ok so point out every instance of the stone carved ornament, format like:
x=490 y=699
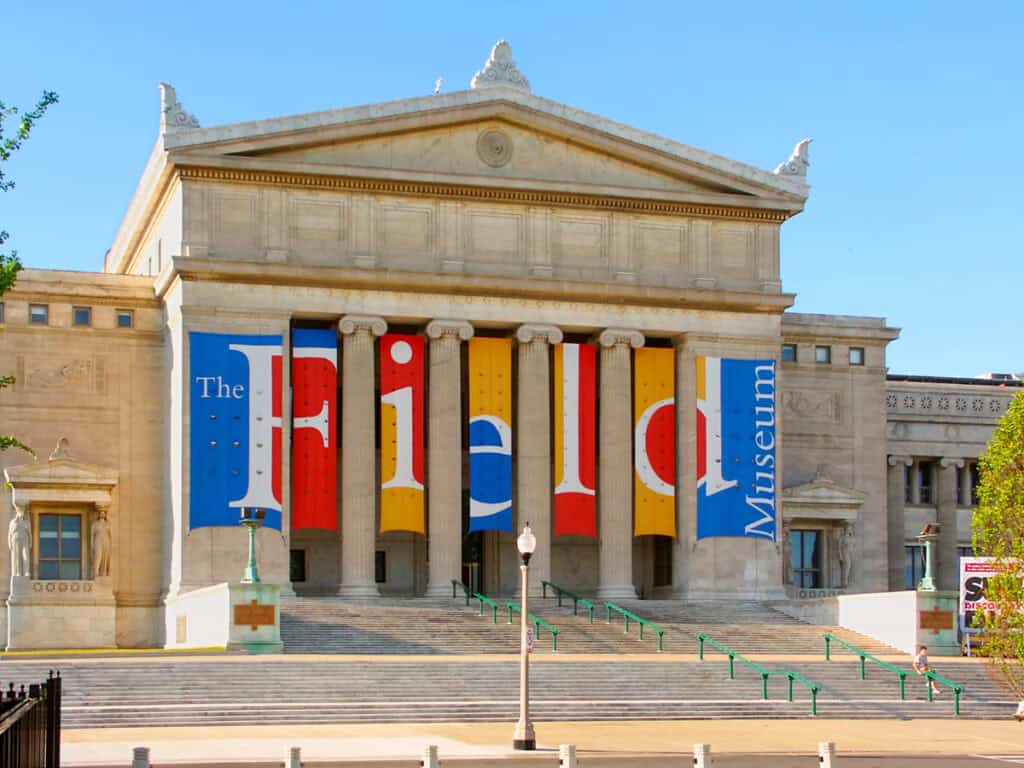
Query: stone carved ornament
x=500 y=70
x=844 y=553
x=19 y=539
x=101 y=540
x=173 y=115
x=798 y=162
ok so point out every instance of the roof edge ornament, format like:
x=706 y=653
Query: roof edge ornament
x=500 y=70
x=174 y=116
x=798 y=163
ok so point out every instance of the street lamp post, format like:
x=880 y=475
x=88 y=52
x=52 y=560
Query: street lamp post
x=252 y=518
x=523 y=737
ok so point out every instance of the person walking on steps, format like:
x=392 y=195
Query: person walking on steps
x=921 y=666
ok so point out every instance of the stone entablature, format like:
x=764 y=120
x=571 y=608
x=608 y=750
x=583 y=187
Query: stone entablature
x=913 y=401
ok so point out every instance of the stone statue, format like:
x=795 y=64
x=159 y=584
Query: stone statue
x=19 y=539
x=844 y=543
x=798 y=162
x=101 y=544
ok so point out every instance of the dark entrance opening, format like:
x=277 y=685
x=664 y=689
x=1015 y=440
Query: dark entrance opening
x=472 y=551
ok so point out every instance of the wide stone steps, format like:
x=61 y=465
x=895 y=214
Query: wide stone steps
x=411 y=626
x=282 y=690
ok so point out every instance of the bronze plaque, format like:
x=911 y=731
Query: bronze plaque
x=936 y=620
x=254 y=615
x=181 y=629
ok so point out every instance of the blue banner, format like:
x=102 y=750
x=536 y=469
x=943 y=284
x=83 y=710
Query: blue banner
x=235 y=428
x=736 y=448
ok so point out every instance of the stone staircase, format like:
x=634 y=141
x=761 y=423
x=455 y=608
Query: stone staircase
x=419 y=626
x=281 y=689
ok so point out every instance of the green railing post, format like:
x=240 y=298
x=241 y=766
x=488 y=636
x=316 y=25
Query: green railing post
x=494 y=614
x=903 y=687
x=862 y=663
x=732 y=667
x=828 y=645
x=789 y=691
x=814 y=702
x=554 y=640
x=928 y=683
x=956 y=702
x=641 y=631
x=700 y=647
x=660 y=635
x=453 y=589
x=764 y=686
x=590 y=610
x=626 y=630
x=608 y=608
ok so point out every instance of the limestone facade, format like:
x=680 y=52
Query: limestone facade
x=490 y=212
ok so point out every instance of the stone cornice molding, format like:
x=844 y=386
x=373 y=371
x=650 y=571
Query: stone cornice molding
x=548 y=334
x=458 y=329
x=554 y=198
x=906 y=461
x=946 y=463
x=350 y=324
x=609 y=337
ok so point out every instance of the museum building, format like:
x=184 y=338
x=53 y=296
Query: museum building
x=402 y=331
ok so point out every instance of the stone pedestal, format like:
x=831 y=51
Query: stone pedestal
x=937 y=622
x=60 y=614
x=238 y=617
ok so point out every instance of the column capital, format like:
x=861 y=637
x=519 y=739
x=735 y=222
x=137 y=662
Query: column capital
x=609 y=337
x=102 y=506
x=529 y=332
x=895 y=461
x=946 y=463
x=350 y=324
x=460 y=329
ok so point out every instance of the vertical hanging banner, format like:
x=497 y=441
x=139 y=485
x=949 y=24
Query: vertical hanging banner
x=314 y=471
x=735 y=448
x=401 y=433
x=654 y=442
x=235 y=428
x=490 y=434
x=575 y=439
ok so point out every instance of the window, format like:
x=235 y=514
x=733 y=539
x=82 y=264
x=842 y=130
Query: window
x=805 y=559
x=81 y=315
x=913 y=565
x=297 y=566
x=856 y=355
x=1 y=311
x=924 y=481
x=789 y=353
x=908 y=480
x=663 y=561
x=60 y=547
x=380 y=566
x=38 y=314
x=823 y=354
x=975 y=482
x=964 y=552
x=124 y=318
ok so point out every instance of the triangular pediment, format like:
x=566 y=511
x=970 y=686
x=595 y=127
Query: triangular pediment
x=822 y=499
x=497 y=137
x=60 y=472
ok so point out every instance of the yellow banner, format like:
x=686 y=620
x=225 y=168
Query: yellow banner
x=654 y=443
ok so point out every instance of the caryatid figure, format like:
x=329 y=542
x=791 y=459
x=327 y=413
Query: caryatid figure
x=101 y=544
x=19 y=539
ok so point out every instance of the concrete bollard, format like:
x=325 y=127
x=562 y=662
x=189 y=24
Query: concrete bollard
x=567 y=755
x=293 y=757
x=429 y=757
x=701 y=756
x=826 y=754
x=140 y=757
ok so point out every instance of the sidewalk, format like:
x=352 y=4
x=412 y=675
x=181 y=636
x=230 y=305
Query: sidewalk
x=608 y=743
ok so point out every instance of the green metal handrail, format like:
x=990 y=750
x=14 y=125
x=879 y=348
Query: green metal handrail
x=641 y=622
x=864 y=657
x=955 y=687
x=537 y=624
x=763 y=672
x=576 y=599
x=457 y=583
x=494 y=606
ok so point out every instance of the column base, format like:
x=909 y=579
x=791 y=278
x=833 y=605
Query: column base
x=443 y=590
x=358 y=591
x=616 y=592
x=524 y=744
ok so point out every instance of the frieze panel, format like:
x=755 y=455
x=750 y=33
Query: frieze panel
x=82 y=375
x=946 y=404
x=813 y=406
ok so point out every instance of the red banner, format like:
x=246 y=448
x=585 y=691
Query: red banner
x=401 y=433
x=314 y=429
x=575 y=439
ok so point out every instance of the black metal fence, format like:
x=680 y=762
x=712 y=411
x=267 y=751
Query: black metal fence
x=30 y=725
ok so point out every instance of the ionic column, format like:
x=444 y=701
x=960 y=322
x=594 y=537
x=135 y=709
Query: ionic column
x=949 y=564
x=358 y=455
x=533 y=441
x=615 y=472
x=896 y=503
x=444 y=453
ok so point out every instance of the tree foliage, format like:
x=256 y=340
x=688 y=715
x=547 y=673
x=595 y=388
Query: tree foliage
x=9 y=263
x=999 y=533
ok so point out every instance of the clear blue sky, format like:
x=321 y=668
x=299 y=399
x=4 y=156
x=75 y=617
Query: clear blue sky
x=916 y=109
